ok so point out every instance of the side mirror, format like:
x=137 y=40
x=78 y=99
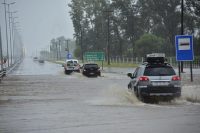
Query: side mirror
x=62 y=65
x=129 y=75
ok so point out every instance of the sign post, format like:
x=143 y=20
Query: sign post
x=184 y=50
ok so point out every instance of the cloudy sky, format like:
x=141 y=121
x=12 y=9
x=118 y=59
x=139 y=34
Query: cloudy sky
x=40 y=21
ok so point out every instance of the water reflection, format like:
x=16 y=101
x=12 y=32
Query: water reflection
x=33 y=67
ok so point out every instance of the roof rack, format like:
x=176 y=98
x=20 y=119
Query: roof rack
x=155 y=58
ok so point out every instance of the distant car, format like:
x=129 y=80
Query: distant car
x=91 y=69
x=155 y=79
x=35 y=58
x=71 y=65
x=41 y=61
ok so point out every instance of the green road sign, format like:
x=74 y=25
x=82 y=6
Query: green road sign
x=94 y=56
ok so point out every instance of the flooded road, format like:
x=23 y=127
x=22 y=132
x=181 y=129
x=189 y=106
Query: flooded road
x=40 y=98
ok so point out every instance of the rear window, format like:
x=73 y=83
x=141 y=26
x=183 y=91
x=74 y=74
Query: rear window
x=159 y=71
x=75 y=63
x=91 y=65
x=70 y=63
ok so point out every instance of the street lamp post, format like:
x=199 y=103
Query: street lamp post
x=1 y=56
x=8 y=4
x=6 y=31
x=13 y=35
x=11 y=21
x=67 y=47
x=59 y=48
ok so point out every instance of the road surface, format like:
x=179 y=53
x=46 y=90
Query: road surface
x=40 y=98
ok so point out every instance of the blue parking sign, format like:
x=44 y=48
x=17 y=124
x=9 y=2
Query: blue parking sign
x=184 y=48
x=69 y=56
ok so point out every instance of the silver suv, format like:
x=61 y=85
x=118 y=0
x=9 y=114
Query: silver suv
x=155 y=80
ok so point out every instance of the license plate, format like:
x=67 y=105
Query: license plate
x=160 y=83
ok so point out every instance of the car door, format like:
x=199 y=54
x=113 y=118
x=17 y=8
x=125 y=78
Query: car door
x=134 y=78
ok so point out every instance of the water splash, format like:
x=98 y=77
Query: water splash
x=191 y=93
x=116 y=96
x=119 y=96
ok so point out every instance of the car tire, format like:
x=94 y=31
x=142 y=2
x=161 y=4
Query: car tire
x=142 y=98
x=129 y=86
x=136 y=92
x=67 y=72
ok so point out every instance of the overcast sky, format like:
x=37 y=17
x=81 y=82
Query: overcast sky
x=40 y=21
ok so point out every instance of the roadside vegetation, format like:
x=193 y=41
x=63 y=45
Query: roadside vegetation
x=127 y=29
x=105 y=64
x=134 y=27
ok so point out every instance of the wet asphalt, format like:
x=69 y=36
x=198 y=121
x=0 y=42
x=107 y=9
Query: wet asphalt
x=40 y=98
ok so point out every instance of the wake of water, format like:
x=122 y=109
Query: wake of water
x=116 y=96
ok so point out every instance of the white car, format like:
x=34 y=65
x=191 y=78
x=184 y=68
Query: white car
x=71 y=65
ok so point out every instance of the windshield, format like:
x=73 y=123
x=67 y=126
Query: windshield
x=159 y=71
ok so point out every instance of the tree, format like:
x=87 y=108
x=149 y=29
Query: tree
x=126 y=24
x=88 y=21
x=149 y=43
x=162 y=17
x=129 y=20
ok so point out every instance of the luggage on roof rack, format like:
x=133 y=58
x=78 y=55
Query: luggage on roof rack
x=155 y=58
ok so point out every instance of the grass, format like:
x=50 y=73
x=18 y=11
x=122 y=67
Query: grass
x=105 y=64
x=121 y=65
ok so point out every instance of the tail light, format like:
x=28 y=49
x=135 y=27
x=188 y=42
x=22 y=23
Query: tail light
x=143 y=78
x=176 y=78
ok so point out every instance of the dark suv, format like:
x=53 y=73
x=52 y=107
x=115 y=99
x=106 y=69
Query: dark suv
x=155 y=79
x=91 y=69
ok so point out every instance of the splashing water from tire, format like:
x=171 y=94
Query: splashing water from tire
x=116 y=96
x=191 y=93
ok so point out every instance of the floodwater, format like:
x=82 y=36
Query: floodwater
x=40 y=98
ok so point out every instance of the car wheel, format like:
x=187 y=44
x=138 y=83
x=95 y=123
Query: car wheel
x=142 y=97
x=136 y=92
x=129 y=86
x=67 y=72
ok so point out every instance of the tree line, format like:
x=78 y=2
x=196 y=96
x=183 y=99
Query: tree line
x=133 y=27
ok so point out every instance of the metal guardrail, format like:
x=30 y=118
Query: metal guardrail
x=8 y=70
x=12 y=67
x=2 y=74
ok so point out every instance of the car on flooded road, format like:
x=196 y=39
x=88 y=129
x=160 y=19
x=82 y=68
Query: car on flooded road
x=71 y=65
x=35 y=58
x=91 y=69
x=155 y=80
x=41 y=61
